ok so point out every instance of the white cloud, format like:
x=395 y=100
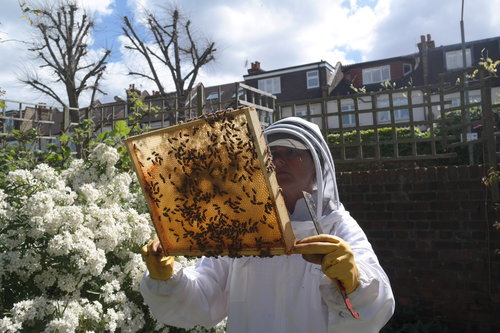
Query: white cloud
x=98 y=6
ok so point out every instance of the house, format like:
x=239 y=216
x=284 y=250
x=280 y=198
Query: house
x=348 y=95
x=307 y=81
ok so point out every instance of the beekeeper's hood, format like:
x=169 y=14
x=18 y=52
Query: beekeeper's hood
x=309 y=136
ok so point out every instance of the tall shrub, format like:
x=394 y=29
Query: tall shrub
x=69 y=248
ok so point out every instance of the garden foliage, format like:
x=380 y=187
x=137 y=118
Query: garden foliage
x=70 y=234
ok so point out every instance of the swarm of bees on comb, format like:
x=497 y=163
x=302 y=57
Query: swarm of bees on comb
x=211 y=188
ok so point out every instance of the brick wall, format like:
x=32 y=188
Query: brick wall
x=432 y=231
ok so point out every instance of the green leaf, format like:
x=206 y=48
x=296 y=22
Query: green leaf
x=121 y=128
x=64 y=137
x=102 y=136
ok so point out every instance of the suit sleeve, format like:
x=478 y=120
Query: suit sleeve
x=373 y=298
x=193 y=296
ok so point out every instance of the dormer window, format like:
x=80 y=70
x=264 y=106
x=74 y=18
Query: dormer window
x=455 y=60
x=271 y=85
x=376 y=74
x=312 y=79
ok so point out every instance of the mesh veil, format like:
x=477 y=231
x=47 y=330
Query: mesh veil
x=310 y=134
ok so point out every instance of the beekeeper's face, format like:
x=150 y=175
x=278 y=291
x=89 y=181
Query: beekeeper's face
x=294 y=171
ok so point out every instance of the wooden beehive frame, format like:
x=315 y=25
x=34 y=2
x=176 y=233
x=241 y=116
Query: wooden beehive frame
x=211 y=187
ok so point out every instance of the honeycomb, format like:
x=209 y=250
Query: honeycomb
x=211 y=187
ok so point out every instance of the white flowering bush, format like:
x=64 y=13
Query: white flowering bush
x=69 y=249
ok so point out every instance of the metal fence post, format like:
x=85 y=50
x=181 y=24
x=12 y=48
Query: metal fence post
x=200 y=99
x=66 y=119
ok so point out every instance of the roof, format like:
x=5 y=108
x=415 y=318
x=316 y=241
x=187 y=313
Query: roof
x=410 y=57
x=280 y=71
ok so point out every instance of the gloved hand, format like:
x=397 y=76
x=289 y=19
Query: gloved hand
x=335 y=256
x=160 y=266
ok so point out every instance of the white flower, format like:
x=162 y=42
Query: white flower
x=135 y=268
x=135 y=318
x=24 y=310
x=69 y=311
x=7 y=325
x=92 y=311
x=105 y=154
x=60 y=244
x=69 y=217
x=90 y=193
x=46 y=278
x=22 y=177
x=140 y=227
x=5 y=209
x=11 y=261
x=40 y=204
x=11 y=239
x=112 y=318
x=65 y=324
x=44 y=173
x=90 y=259
x=111 y=292
x=67 y=282
x=30 y=263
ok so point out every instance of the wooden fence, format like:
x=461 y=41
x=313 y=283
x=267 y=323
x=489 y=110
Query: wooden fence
x=408 y=124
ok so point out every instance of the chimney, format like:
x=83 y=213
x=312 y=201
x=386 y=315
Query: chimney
x=422 y=43
x=430 y=42
x=255 y=68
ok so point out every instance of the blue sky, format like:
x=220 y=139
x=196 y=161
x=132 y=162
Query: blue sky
x=278 y=33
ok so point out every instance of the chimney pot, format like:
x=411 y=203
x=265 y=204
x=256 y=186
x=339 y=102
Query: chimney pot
x=255 y=68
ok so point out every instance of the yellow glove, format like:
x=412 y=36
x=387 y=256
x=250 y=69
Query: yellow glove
x=335 y=256
x=160 y=266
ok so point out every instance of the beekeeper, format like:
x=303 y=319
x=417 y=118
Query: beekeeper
x=289 y=293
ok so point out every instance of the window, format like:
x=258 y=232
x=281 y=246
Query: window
x=455 y=102
x=312 y=79
x=301 y=111
x=348 y=119
x=383 y=116
x=475 y=99
x=454 y=59
x=213 y=96
x=376 y=74
x=272 y=85
x=347 y=107
x=399 y=114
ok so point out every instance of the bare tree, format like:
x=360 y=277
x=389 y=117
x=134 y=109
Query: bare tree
x=61 y=44
x=173 y=45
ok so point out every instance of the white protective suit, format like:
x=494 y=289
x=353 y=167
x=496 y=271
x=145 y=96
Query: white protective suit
x=282 y=293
